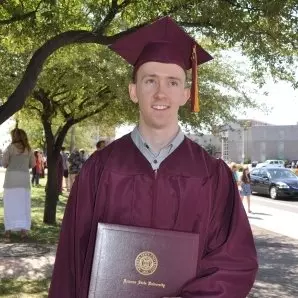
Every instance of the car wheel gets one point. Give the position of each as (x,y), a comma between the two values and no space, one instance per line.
(273,193)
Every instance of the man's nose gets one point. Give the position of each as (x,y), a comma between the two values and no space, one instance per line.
(161,90)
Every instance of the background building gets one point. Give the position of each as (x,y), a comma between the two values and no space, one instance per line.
(248,140)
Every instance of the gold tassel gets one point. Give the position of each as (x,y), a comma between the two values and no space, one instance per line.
(194,84)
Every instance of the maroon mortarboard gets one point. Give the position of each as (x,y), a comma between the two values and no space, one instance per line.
(166,42)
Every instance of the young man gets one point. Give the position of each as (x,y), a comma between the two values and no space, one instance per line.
(165,181)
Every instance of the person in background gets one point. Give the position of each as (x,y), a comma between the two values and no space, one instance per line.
(60,173)
(84,156)
(37,170)
(41,159)
(246,188)
(75,164)
(18,158)
(234,169)
(100,145)
(65,167)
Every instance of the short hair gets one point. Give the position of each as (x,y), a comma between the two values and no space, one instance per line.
(233,165)
(98,144)
(62,148)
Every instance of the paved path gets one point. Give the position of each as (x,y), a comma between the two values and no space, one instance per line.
(278,266)
(276,216)
(277,276)
(26,260)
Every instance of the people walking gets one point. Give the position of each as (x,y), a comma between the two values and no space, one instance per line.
(246,188)
(234,169)
(37,169)
(75,163)
(65,167)
(17,159)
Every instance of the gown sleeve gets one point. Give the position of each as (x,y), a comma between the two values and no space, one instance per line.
(228,262)
(75,232)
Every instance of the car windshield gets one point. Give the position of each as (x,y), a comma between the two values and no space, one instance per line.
(276,173)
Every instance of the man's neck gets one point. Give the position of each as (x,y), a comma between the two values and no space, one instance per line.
(158,138)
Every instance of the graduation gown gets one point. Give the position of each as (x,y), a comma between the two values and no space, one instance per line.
(191,192)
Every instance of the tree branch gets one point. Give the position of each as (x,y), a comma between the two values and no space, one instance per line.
(242,7)
(196,24)
(62,134)
(114,9)
(108,18)
(22,17)
(92,113)
(124,4)
(31,107)
(17,18)
(101,92)
(60,93)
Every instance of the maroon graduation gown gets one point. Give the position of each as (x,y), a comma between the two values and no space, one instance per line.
(191,192)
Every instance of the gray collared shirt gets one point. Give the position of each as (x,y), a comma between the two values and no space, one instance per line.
(156,158)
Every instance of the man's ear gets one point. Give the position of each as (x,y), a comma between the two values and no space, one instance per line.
(186,94)
(132,88)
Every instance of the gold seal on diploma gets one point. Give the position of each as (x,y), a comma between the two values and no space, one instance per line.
(146,263)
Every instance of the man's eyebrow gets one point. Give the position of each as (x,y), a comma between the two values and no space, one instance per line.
(149,75)
(175,78)
(155,76)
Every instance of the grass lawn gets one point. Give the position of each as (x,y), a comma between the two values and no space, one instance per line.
(11,288)
(40,233)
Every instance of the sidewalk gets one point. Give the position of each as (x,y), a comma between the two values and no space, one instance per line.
(26,260)
(277,276)
(278,265)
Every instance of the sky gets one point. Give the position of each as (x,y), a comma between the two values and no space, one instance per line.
(281,99)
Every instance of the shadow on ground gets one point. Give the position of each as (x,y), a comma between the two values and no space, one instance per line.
(278,266)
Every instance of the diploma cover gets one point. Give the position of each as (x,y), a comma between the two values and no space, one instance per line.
(134,262)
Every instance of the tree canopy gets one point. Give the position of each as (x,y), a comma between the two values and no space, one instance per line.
(31,31)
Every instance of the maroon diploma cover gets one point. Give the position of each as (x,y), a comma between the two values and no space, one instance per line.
(132,262)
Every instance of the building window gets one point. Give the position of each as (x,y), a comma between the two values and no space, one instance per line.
(225,148)
(263,151)
(281,150)
(282,134)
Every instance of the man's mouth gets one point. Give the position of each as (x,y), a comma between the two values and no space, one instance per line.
(160,107)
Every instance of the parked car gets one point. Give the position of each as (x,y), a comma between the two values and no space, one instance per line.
(271,163)
(275,182)
(292,164)
(254,163)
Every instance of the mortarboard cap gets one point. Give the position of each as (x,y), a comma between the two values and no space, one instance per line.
(166,42)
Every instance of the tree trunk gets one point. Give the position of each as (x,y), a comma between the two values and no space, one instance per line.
(52,192)
(72,138)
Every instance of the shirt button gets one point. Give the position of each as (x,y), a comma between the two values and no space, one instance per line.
(155,161)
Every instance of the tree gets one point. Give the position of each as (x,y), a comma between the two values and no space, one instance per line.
(210,148)
(72,88)
(266,31)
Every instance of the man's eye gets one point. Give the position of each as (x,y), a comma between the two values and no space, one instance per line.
(173,83)
(149,81)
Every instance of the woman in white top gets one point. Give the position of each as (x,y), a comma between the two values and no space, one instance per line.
(18,158)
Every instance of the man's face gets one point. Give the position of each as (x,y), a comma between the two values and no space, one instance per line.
(160,91)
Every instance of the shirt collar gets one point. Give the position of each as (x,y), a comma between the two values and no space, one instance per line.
(140,142)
